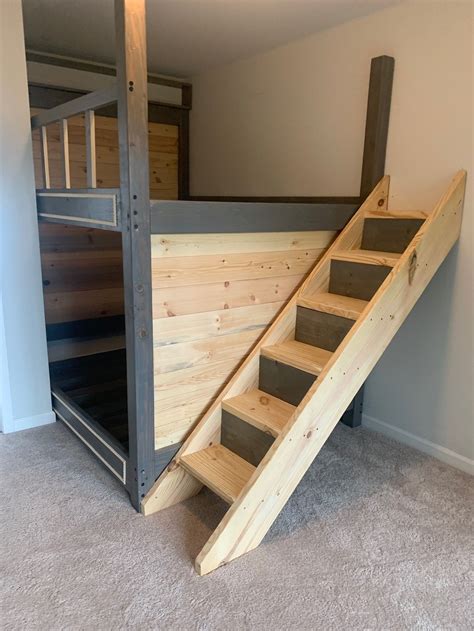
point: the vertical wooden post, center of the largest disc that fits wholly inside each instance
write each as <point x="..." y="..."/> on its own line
<point x="89" y="121"/>
<point x="64" y="136"/>
<point x="373" y="162"/>
<point x="45" y="157"/>
<point x="376" y="126"/>
<point x="135" y="200"/>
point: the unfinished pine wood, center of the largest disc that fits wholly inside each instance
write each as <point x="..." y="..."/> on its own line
<point x="385" y="213"/>
<point x="302" y="356"/>
<point x="226" y="268"/>
<point x="210" y="308"/>
<point x="247" y="521"/>
<point x="82" y="305"/>
<point x="336" y="304"/>
<point x="371" y="257"/>
<point x="44" y="157"/>
<point x="163" y="153"/>
<point x="179" y="301"/>
<point x="209" y="324"/>
<point x="93" y="158"/>
<point x="172" y="486"/>
<point x="261" y="410"/>
<point x="64" y="137"/>
<point x="59" y="350"/>
<point x="178" y="245"/>
<point x="220" y="470"/>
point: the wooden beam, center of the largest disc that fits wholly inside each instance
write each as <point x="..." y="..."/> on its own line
<point x="90" y="101"/>
<point x="88" y="66"/>
<point x="176" y="217"/>
<point x="376" y="126"/>
<point x="136" y="243"/>
<point x="64" y="139"/>
<point x="90" y="149"/>
<point x="45" y="157"/>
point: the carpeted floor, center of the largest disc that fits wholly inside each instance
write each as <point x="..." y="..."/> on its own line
<point x="377" y="536"/>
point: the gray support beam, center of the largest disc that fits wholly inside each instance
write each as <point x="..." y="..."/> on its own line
<point x="135" y="198"/>
<point x="376" y="126"/>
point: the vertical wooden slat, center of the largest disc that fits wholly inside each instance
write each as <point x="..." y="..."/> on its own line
<point x="45" y="158"/>
<point x="90" y="149"/>
<point x="64" y="134"/>
<point x="376" y="125"/>
<point x="136" y="243"/>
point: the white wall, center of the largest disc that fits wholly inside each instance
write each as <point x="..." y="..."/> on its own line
<point x="291" y="122"/>
<point x="24" y="379"/>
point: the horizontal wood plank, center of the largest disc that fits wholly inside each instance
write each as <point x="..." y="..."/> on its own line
<point x="209" y="324"/>
<point x="203" y="270"/>
<point x="302" y="356"/>
<point x="261" y="410"/>
<point x="187" y="245"/>
<point x="220" y="470"/>
<point x="333" y="303"/>
<point x="219" y="296"/>
<point x="197" y="217"/>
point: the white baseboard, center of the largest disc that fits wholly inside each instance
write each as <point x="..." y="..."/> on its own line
<point x="441" y="453"/>
<point x="28" y="422"/>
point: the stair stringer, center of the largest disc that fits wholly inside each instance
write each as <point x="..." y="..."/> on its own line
<point x="249" y="518"/>
<point x="175" y="484"/>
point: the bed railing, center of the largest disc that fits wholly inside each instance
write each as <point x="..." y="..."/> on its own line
<point x="88" y="207"/>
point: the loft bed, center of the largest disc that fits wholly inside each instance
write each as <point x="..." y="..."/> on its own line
<point x="178" y="291"/>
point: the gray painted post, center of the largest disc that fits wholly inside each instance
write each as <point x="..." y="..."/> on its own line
<point x="135" y="200"/>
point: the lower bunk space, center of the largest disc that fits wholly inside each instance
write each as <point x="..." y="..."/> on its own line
<point x="96" y="386"/>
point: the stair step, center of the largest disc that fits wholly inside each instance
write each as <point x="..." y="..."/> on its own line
<point x="342" y="306"/>
<point x="303" y="356"/>
<point x="220" y="470"/>
<point x="370" y="257"/>
<point x="398" y="214"/>
<point x="261" y="410"/>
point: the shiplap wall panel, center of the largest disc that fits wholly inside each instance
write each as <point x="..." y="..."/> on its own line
<point x="213" y="297"/>
<point x="82" y="268"/>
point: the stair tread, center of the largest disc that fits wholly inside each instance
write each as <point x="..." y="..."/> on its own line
<point x="336" y="304"/>
<point x="370" y="257"/>
<point x="222" y="471"/>
<point x="299" y="355"/>
<point x="397" y="214"/>
<point x="261" y="410"/>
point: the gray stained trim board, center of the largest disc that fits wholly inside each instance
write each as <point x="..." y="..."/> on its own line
<point x="102" y="445"/>
<point x="218" y="217"/>
<point x="244" y="439"/>
<point x="377" y="121"/>
<point x="136" y="244"/>
<point x="89" y="208"/>
<point x="320" y="329"/>
<point x="356" y="280"/>
<point x="386" y="235"/>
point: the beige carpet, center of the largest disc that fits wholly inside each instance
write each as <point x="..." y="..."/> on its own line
<point x="377" y="536"/>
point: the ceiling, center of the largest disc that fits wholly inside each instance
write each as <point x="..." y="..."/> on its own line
<point x="186" y="37"/>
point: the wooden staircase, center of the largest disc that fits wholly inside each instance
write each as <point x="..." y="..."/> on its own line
<point x="258" y="439"/>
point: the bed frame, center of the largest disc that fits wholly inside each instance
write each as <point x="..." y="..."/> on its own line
<point x="141" y="222"/>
